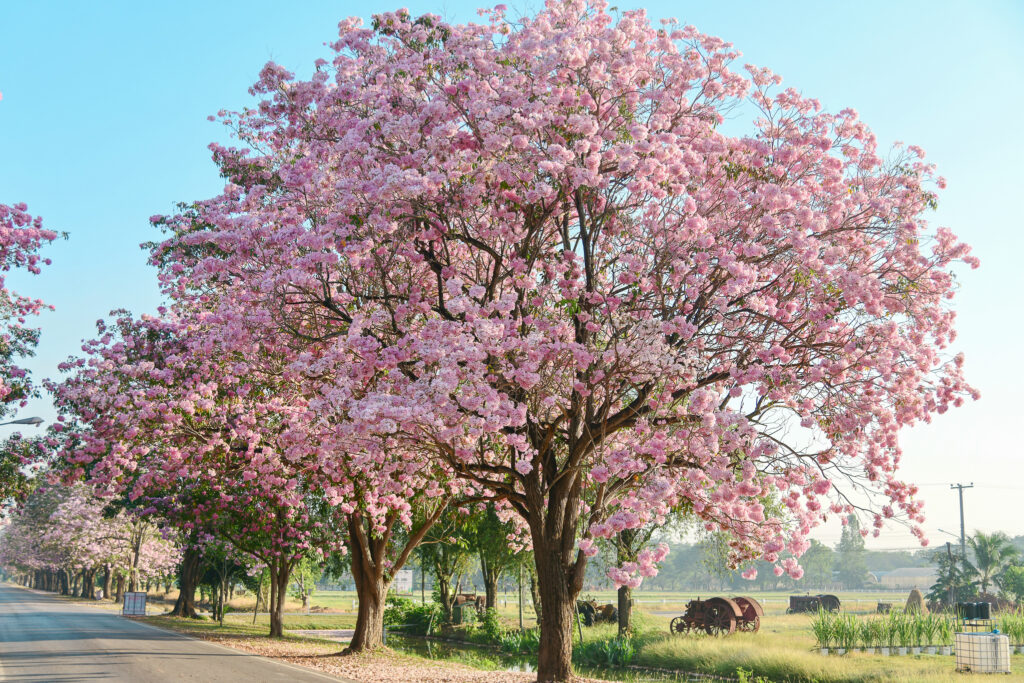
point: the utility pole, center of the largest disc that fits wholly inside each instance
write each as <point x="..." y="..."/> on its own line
<point x="520" y="596"/>
<point x="963" y="536"/>
<point x="952" y="574"/>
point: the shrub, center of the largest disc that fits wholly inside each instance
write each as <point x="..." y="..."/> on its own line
<point x="490" y="625"/>
<point x="605" y="653"/>
<point x="412" y="617"/>
<point x="395" y="609"/>
<point x="527" y="641"/>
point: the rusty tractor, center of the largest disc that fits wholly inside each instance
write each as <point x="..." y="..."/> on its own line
<point x="592" y="613"/>
<point x="812" y="603"/>
<point x="720" y="616"/>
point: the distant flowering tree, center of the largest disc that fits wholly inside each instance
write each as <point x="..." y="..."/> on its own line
<point x="21" y="237"/>
<point x="528" y="252"/>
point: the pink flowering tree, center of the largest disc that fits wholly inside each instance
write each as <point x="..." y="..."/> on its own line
<point x="153" y="412"/>
<point x="385" y="494"/>
<point x="21" y="237"/>
<point x="579" y="295"/>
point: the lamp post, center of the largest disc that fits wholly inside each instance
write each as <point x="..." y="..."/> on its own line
<point x="33" y="421"/>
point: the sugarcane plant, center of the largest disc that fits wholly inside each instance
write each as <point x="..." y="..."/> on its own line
<point x="823" y="627"/>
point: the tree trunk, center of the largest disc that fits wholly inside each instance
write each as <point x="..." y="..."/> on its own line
<point x="280" y="572"/>
<point x="560" y="570"/>
<point x="185" y="605"/>
<point x="120" y="590"/>
<point x="368" y="558"/>
<point x="625" y="610"/>
<point x="259" y="594"/>
<point x="491" y="576"/>
<point x="89" y="584"/>
<point x="106" y="582"/>
<point x="369" y="629"/>
<point x="554" y="660"/>
<point x="444" y="591"/>
<point x="535" y="595"/>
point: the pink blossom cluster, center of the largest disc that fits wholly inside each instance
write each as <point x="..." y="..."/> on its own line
<point x="21" y="237"/>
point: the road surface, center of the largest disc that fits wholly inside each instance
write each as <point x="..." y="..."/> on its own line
<point x="46" y="639"/>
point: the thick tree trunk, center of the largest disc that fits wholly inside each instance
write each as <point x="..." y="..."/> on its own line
<point x="369" y="629"/>
<point x="106" y="581"/>
<point x="625" y="610"/>
<point x="554" y="661"/>
<point x="120" y="590"/>
<point x="368" y="559"/>
<point x="491" y="592"/>
<point x="185" y="605"/>
<point x="491" y="576"/>
<point x="560" y="569"/>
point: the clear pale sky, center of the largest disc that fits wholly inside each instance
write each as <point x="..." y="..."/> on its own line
<point x="103" y="123"/>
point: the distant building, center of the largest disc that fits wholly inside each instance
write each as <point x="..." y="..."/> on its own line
<point x="908" y="578"/>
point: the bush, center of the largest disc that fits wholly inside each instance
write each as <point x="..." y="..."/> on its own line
<point x="411" y="616"/>
<point x="605" y="653"/>
<point x="490" y="625"/>
<point x="395" y="609"/>
<point x="518" y="642"/>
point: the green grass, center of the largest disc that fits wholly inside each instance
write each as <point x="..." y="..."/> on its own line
<point x="783" y="650"/>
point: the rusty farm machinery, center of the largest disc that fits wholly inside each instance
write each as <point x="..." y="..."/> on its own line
<point x="719" y="616"/>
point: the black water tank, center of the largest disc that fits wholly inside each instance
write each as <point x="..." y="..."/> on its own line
<point x="965" y="610"/>
<point x="981" y="610"/>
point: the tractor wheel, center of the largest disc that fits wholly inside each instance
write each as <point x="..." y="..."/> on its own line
<point x="752" y="612"/>
<point x="719" y="620"/>
<point x="679" y="625"/>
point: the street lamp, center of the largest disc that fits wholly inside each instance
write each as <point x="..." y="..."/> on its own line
<point x="34" y="421"/>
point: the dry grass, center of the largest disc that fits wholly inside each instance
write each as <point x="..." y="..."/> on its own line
<point x="783" y="650"/>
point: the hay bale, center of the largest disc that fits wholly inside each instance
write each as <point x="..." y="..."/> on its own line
<point x="915" y="603"/>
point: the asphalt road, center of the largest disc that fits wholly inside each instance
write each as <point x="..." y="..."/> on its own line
<point x="45" y="639"/>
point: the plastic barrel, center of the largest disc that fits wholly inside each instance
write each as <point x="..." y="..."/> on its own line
<point x="966" y="610"/>
<point x="981" y="610"/>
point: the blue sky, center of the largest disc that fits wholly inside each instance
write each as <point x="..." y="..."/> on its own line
<point x="103" y="123"/>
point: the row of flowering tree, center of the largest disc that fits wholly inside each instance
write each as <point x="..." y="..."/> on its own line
<point x="522" y="262"/>
<point x="65" y="538"/>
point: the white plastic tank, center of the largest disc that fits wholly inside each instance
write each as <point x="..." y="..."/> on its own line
<point x="983" y="652"/>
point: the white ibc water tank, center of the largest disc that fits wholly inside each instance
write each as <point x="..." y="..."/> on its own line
<point x="983" y="653"/>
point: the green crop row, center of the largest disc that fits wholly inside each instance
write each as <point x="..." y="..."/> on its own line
<point x="1012" y="624"/>
<point x="896" y="629"/>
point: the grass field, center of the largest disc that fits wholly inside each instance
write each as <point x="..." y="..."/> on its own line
<point x="783" y="650"/>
